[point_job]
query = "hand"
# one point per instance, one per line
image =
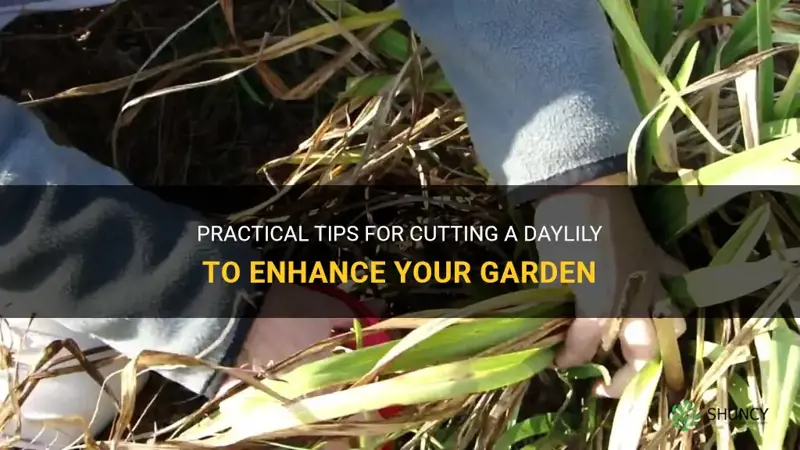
(281, 330)
(623, 247)
(292, 319)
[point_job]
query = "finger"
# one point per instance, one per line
(679, 325)
(621, 379)
(638, 339)
(581, 343)
(639, 345)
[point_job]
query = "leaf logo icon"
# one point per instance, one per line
(685, 416)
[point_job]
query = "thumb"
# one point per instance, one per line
(581, 343)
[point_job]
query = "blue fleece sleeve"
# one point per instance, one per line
(118, 263)
(546, 102)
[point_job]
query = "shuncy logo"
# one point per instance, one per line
(685, 415)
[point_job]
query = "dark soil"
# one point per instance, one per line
(213, 135)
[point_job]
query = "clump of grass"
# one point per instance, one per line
(717, 83)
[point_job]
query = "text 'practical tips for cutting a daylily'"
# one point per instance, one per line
(686, 415)
(398, 233)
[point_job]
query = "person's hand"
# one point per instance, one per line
(623, 248)
(292, 319)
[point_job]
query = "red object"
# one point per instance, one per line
(367, 318)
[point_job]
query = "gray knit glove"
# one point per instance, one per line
(546, 101)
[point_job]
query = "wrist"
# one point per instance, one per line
(290, 318)
(591, 188)
(617, 179)
(596, 202)
(238, 354)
